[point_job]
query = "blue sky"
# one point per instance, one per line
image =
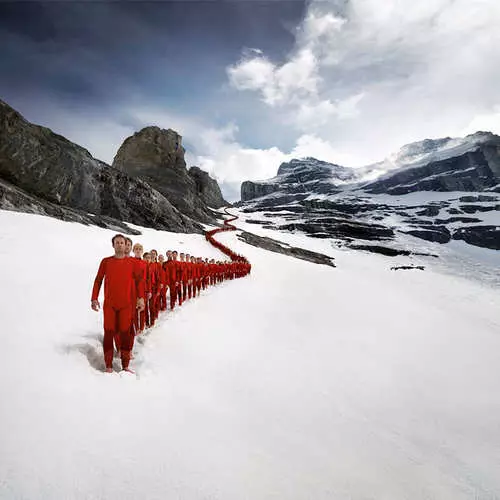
(250, 84)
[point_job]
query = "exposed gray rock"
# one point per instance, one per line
(430, 211)
(451, 220)
(437, 234)
(469, 172)
(300, 176)
(397, 268)
(388, 251)
(349, 211)
(49, 167)
(156, 156)
(207, 188)
(283, 248)
(343, 230)
(472, 209)
(15, 199)
(251, 190)
(481, 236)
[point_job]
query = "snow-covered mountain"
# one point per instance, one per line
(427, 151)
(436, 190)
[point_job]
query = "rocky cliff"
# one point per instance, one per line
(156, 156)
(329, 201)
(207, 188)
(38, 165)
(300, 176)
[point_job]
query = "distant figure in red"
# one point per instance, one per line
(163, 282)
(140, 316)
(171, 272)
(121, 275)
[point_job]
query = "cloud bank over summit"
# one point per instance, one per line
(346, 81)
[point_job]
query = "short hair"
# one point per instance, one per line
(138, 245)
(116, 236)
(155, 251)
(146, 254)
(175, 251)
(129, 240)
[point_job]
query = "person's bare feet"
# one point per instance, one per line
(128, 370)
(109, 370)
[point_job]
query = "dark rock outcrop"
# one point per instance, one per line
(300, 176)
(50, 168)
(472, 171)
(285, 249)
(15, 199)
(437, 234)
(251, 190)
(397, 268)
(156, 156)
(387, 251)
(207, 188)
(481, 236)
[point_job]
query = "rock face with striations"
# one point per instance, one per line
(207, 188)
(300, 176)
(44, 172)
(325, 200)
(156, 156)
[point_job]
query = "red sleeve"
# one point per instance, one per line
(98, 279)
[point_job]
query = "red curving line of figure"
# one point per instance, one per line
(241, 262)
(135, 288)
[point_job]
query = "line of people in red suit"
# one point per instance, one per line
(135, 288)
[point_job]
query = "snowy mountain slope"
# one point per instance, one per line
(353, 204)
(421, 153)
(298, 382)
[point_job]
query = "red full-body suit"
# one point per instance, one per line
(171, 278)
(120, 276)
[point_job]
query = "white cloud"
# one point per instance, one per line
(485, 122)
(381, 74)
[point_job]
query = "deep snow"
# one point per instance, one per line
(298, 382)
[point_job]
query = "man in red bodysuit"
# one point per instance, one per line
(184, 277)
(148, 290)
(199, 270)
(120, 275)
(171, 276)
(155, 286)
(189, 276)
(140, 316)
(163, 283)
(179, 272)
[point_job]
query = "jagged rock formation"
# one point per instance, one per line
(156, 156)
(207, 188)
(471, 171)
(43, 172)
(327, 201)
(17, 200)
(300, 176)
(58, 172)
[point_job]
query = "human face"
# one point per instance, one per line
(128, 247)
(161, 259)
(138, 250)
(119, 246)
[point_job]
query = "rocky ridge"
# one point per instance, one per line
(43, 172)
(424, 192)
